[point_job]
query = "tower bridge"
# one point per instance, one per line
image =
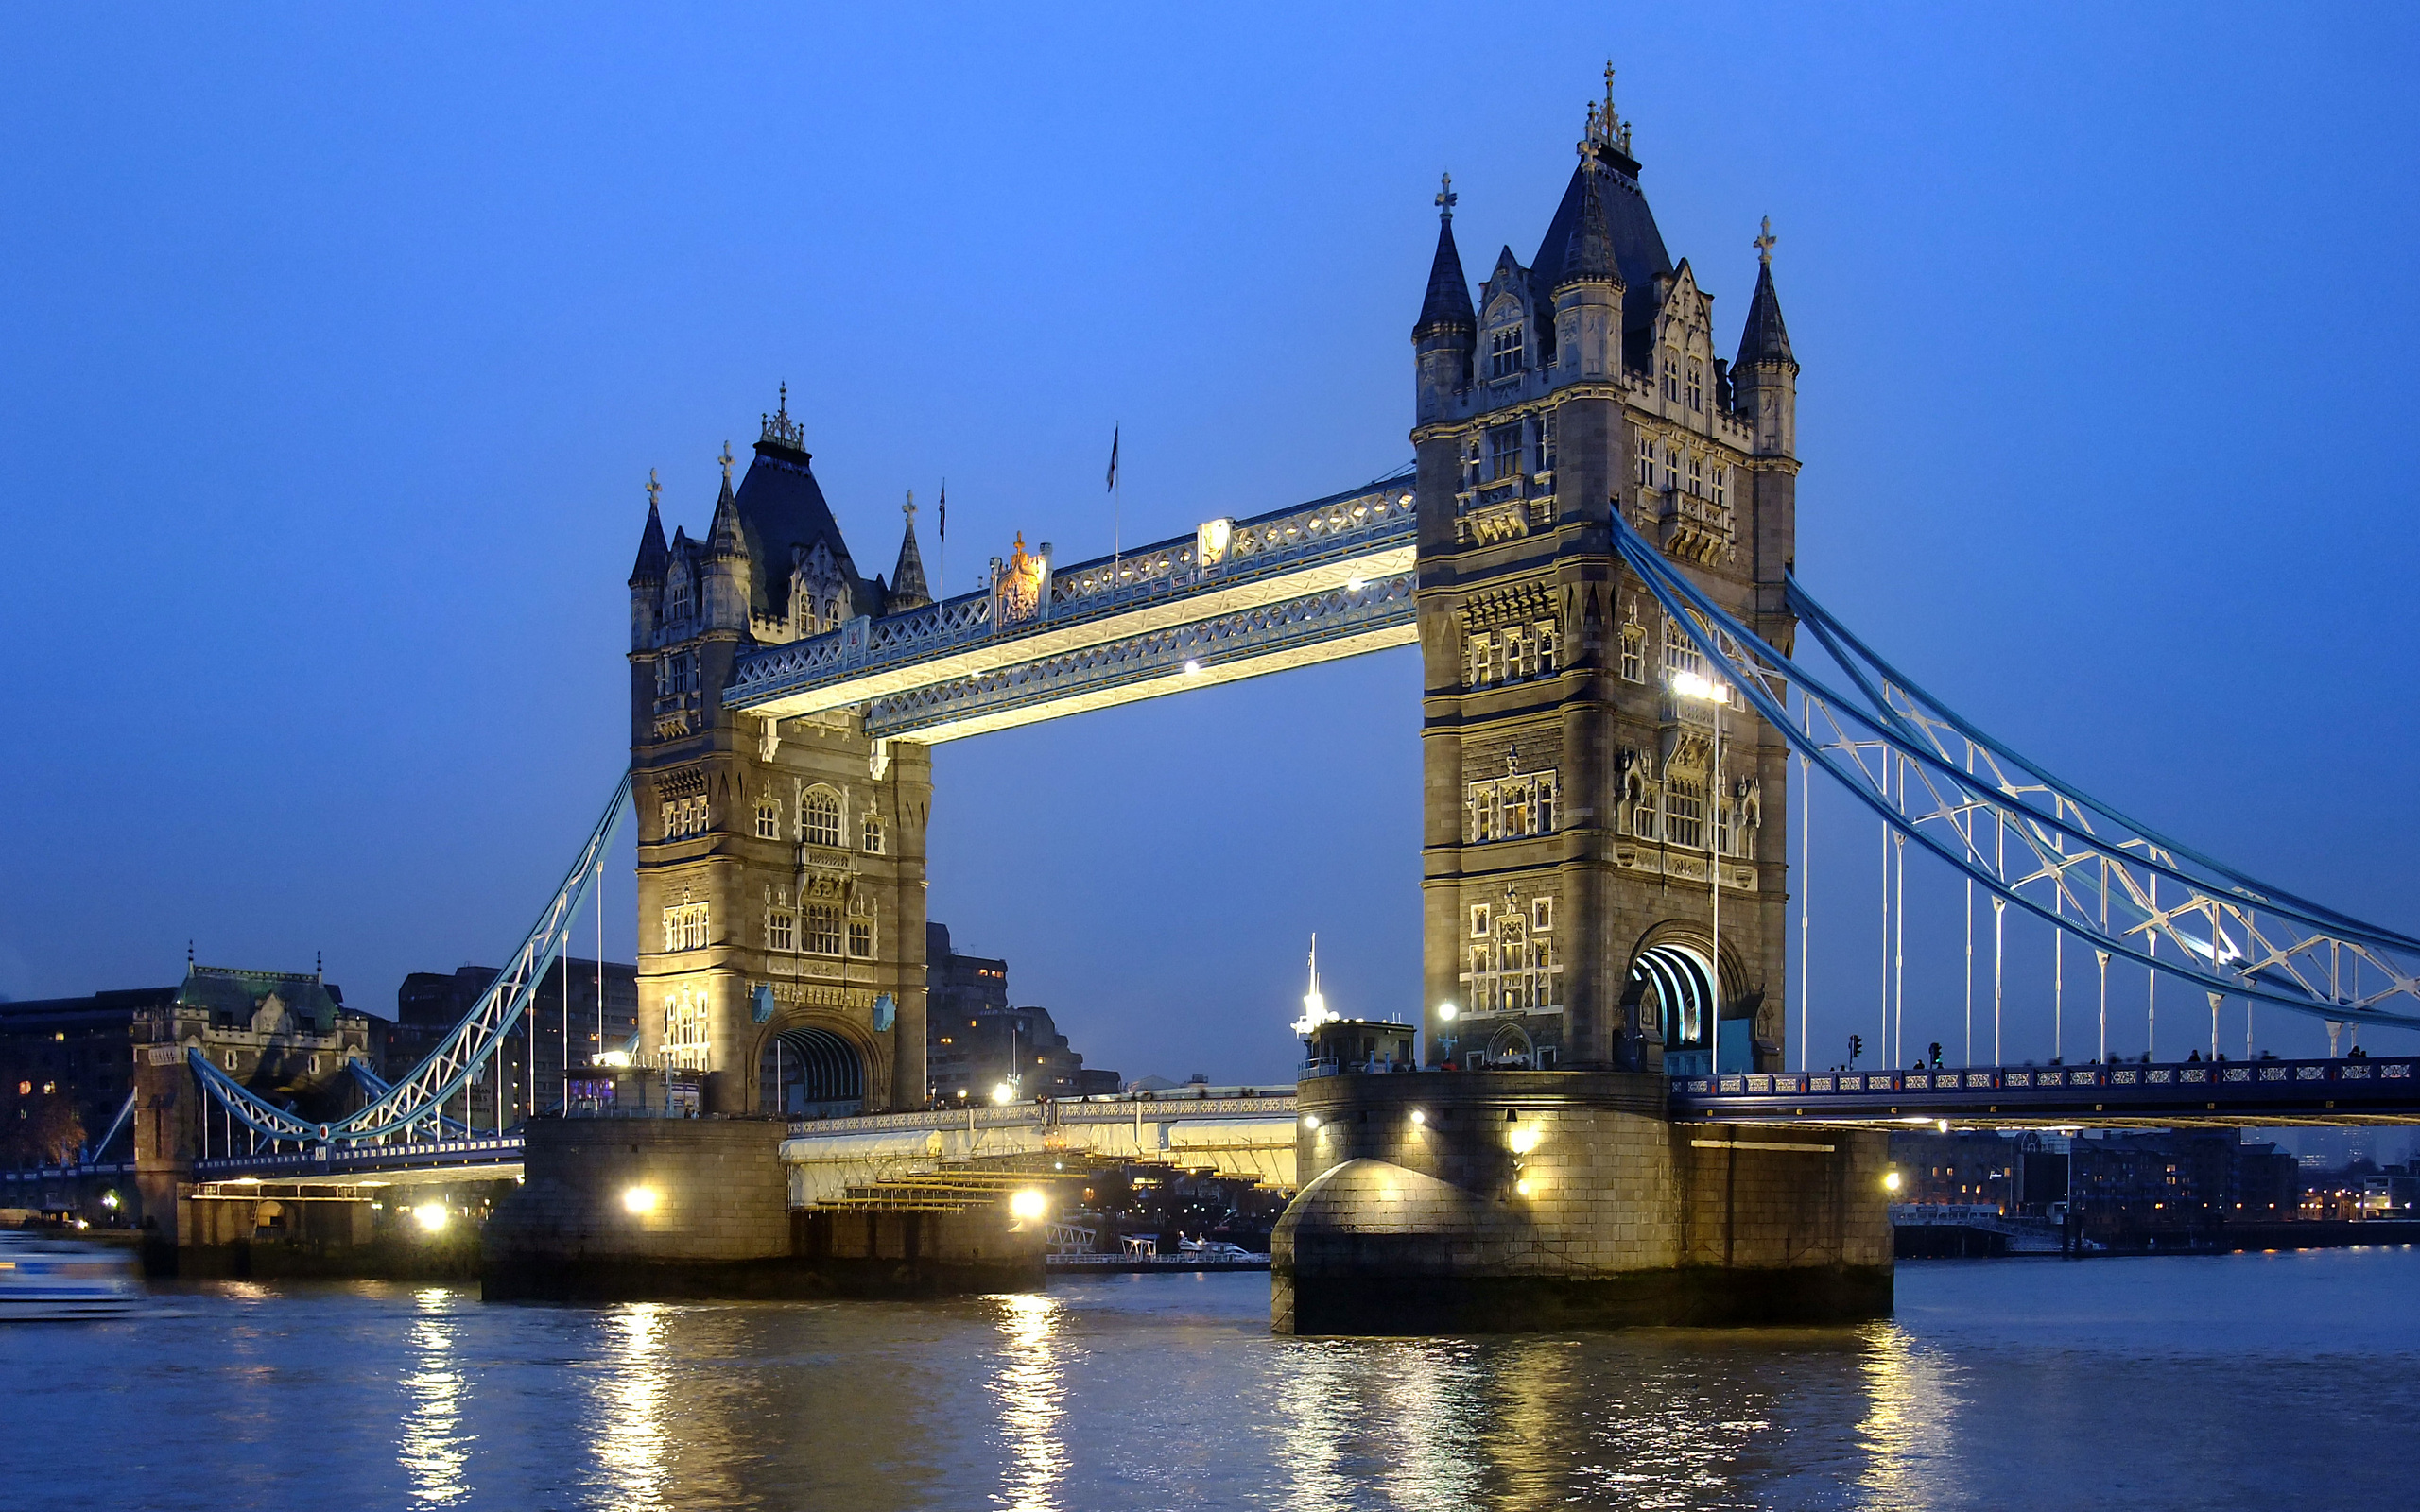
(1593, 550)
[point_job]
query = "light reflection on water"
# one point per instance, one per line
(2142, 1384)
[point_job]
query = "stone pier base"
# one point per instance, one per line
(715, 1222)
(1444, 1202)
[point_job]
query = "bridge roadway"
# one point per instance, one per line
(2130, 1094)
(1230, 1132)
(1237, 598)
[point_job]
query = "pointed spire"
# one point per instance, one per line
(653, 557)
(723, 537)
(908, 590)
(1588, 257)
(1448, 304)
(1765, 339)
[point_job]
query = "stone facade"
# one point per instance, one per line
(1524, 1200)
(781, 872)
(1574, 802)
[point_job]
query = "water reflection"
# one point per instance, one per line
(1031, 1401)
(629, 1410)
(434, 1445)
(1908, 1425)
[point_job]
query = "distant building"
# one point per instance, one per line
(67, 1065)
(975, 1041)
(430, 1003)
(2123, 1186)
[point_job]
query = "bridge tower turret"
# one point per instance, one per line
(781, 871)
(1577, 822)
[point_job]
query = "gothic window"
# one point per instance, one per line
(861, 937)
(685, 1030)
(1546, 441)
(1681, 653)
(1647, 461)
(1475, 660)
(1641, 801)
(1697, 384)
(676, 673)
(1634, 646)
(1509, 808)
(1671, 373)
(873, 833)
(1541, 913)
(685, 817)
(769, 818)
(1509, 970)
(1721, 485)
(1697, 474)
(1504, 350)
(1504, 451)
(1685, 812)
(1550, 645)
(1478, 921)
(818, 818)
(676, 607)
(781, 929)
(1671, 467)
(684, 927)
(824, 929)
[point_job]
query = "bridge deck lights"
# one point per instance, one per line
(1028, 1204)
(431, 1215)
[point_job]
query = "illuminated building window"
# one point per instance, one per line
(1508, 807)
(781, 929)
(1683, 812)
(1504, 451)
(873, 834)
(684, 1029)
(1510, 971)
(820, 817)
(684, 927)
(1504, 350)
(824, 929)
(861, 937)
(1681, 653)
(769, 818)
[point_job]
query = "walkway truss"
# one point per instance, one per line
(413, 1107)
(2036, 843)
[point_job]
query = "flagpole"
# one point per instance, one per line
(1116, 507)
(940, 535)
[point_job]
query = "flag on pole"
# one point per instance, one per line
(1112, 459)
(940, 526)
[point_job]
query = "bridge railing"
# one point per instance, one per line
(2119, 1088)
(487, 1149)
(1223, 551)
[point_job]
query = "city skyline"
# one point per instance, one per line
(360, 374)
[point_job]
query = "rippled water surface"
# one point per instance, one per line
(2252, 1381)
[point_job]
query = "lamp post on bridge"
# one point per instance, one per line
(1698, 688)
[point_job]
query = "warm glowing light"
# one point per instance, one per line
(1702, 688)
(431, 1215)
(1027, 1205)
(1522, 1186)
(640, 1200)
(613, 1057)
(1524, 1140)
(1447, 1011)
(109, 1200)
(1310, 1120)
(1353, 585)
(1004, 1094)
(1192, 667)
(1418, 1117)
(1891, 1182)
(1944, 1124)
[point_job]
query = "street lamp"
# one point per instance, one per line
(1446, 1012)
(1698, 688)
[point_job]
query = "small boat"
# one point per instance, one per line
(42, 1278)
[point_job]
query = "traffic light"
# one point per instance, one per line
(1935, 1048)
(1857, 1047)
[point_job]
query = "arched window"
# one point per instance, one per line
(1697, 384)
(1671, 373)
(824, 929)
(768, 817)
(1504, 350)
(820, 817)
(676, 603)
(873, 833)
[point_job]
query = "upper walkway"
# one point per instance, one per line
(1237, 598)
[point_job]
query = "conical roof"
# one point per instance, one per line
(723, 536)
(1765, 339)
(1631, 233)
(653, 557)
(1448, 304)
(908, 590)
(1588, 256)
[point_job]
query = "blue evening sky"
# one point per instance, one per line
(335, 343)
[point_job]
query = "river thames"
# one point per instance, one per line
(2248, 1381)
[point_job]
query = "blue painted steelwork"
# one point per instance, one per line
(418, 1100)
(124, 1117)
(2077, 863)
(1376, 516)
(342, 1159)
(2382, 1089)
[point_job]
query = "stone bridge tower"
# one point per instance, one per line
(781, 863)
(1576, 823)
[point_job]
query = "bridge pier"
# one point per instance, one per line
(1449, 1202)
